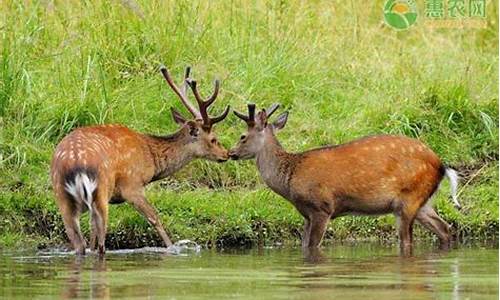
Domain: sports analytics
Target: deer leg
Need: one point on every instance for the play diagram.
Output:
(71, 221)
(404, 236)
(151, 215)
(428, 217)
(141, 205)
(100, 219)
(93, 234)
(306, 233)
(406, 219)
(318, 221)
(72, 225)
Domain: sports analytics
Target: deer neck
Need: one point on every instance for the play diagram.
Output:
(275, 165)
(169, 154)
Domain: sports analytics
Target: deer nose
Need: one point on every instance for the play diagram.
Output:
(233, 155)
(224, 157)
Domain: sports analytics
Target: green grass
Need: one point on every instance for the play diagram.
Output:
(334, 65)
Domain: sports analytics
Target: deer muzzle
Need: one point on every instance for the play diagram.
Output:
(233, 155)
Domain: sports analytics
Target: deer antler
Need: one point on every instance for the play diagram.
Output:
(272, 109)
(250, 119)
(208, 122)
(182, 92)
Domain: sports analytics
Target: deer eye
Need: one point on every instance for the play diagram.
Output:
(243, 137)
(213, 141)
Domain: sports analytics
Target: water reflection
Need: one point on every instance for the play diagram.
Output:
(455, 274)
(415, 275)
(345, 271)
(98, 286)
(314, 256)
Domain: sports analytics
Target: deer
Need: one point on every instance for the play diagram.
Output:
(99, 165)
(372, 175)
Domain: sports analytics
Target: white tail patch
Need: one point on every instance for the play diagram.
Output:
(453, 177)
(82, 189)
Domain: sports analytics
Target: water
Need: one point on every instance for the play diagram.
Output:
(355, 271)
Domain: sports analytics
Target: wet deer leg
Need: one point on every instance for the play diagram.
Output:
(138, 200)
(428, 217)
(306, 233)
(319, 221)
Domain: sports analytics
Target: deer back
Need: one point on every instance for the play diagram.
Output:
(376, 168)
(109, 151)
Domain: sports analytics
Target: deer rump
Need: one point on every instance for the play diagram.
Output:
(80, 184)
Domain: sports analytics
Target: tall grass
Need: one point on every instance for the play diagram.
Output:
(339, 70)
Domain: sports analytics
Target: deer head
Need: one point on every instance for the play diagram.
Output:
(259, 130)
(197, 132)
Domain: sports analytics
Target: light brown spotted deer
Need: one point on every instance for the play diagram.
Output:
(95, 166)
(373, 175)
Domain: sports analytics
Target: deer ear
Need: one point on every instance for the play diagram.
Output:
(281, 121)
(261, 119)
(178, 118)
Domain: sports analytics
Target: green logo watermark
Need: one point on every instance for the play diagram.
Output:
(400, 14)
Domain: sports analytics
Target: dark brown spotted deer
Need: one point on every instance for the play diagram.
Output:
(95, 166)
(373, 175)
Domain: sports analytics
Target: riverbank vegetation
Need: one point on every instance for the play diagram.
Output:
(335, 66)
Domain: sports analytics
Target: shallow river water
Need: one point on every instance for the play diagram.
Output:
(354, 271)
